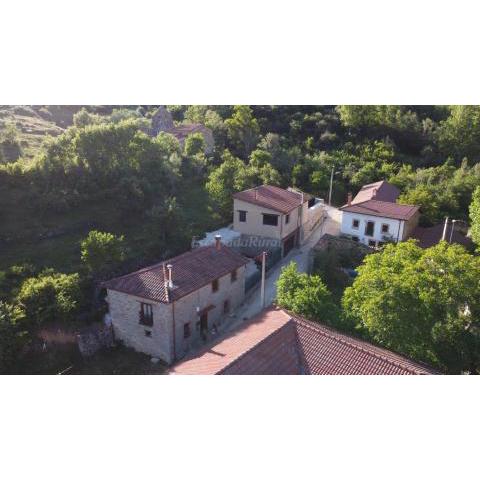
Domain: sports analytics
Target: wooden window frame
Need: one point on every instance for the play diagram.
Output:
(373, 228)
(355, 220)
(186, 330)
(287, 219)
(385, 225)
(215, 285)
(145, 315)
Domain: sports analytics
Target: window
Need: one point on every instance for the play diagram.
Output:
(355, 223)
(226, 306)
(233, 276)
(146, 314)
(269, 219)
(369, 229)
(385, 227)
(186, 330)
(148, 333)
(287, 218)
(371, 243)
(215, 285)
(355, 238)
(242, 216)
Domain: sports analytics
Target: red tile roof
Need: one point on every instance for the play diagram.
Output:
(275, 198)
(191, 271)
(276, 342)
(382, 209)
(430, 236)
(383, 191)
(232, 346)
(183, 130)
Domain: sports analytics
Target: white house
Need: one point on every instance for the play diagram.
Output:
(373, 217)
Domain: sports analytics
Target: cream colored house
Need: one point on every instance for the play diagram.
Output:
(272, 212)
(165, 309)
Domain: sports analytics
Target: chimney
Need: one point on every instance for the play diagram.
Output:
(349, 199)
(218, 242)
(169, 282)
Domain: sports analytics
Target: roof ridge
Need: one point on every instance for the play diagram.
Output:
(329, 332)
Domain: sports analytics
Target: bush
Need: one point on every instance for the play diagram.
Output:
(50, 296)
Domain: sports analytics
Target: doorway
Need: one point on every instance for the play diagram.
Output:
(369, 228)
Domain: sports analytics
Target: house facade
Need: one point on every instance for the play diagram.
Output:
(373, 217)
(275, 213)
(165, 309)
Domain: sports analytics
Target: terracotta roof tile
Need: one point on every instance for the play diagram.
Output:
(276, 342)
(382, 209)
(275, 198)
(191, 271)
(430, 236)
(383, 191)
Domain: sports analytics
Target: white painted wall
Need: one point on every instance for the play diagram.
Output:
(395, 227)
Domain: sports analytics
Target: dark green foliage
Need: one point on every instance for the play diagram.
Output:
(12, 335)
(306, 295)
(423, 303)
(102, 253)
(50, 296)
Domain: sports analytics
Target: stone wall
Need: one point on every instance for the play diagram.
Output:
(124, 311)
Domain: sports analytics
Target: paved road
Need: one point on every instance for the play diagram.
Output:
(300, 256)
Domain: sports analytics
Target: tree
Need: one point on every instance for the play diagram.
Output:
(459, 134)
(50, 296)
(102, 252)
(12, 335)
(306, 295)
(424, 303)
(243, 129)
(223, 182)
(194, 144)
(475, 216)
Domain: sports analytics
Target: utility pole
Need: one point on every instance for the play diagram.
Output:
(444, 235)
(451, 231)
(331, 186)
(262, 288)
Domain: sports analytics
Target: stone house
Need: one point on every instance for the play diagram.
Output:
(373, 217)
(274, 213)
(165, 309)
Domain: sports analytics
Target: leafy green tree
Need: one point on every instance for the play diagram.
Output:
(163, 222)
(50, 296)
(194, 144)
(102, 252)
(475, 216)
(306, 295)
(243, 129)
(459, 134)
(223, 182)
(83, 118)
(424, 303)
(12, 336)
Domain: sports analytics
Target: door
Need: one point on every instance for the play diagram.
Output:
(369, 228)
(204, 322)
